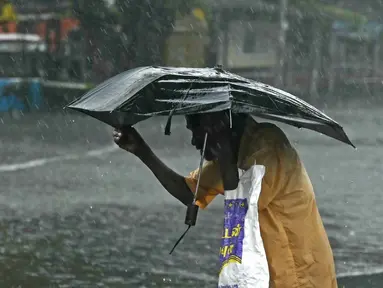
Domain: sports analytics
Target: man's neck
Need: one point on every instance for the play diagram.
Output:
(229, 159)
(228, 169)
(239, 126)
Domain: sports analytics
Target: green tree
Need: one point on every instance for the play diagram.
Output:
(98, 24)
(146, 25)
(133, 32)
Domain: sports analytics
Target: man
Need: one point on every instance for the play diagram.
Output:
(297, 248)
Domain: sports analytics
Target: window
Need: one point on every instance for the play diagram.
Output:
(249, 42)
(11, 65)
(259, 37)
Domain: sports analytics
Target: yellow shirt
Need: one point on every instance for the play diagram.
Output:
(297, 248)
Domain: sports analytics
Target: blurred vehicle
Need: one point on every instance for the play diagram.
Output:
(20, 71)
(25, 84)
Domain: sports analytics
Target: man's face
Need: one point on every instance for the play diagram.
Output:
(216, 125)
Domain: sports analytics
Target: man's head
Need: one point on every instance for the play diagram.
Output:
(216, 125)
(222, 128)
(222, 141)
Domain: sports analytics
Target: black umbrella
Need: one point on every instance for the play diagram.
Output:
(144, 92)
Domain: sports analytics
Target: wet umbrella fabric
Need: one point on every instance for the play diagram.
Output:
(144, 92)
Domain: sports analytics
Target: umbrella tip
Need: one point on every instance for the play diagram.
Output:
(168, 126)
(348, 141)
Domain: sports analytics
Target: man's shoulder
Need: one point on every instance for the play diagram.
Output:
(264, 142)
(267, 129)
(271, 126)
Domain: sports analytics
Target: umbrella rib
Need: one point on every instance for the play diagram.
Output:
(168, 123)
(295, 100)
(275, 104)
(297, 103)
(263, 93)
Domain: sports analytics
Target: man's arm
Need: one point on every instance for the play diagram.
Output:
(182, 188)
(174, 183)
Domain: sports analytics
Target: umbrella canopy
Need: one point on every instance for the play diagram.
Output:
(144, 92)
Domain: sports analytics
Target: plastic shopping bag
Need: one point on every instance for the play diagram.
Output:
(242, 254)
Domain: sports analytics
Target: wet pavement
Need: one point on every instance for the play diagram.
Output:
(78, 212)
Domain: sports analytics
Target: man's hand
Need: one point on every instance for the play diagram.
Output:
(128, 139)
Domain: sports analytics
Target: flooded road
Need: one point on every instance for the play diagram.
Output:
(78, 212)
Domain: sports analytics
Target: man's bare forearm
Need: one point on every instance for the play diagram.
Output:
(173, 182)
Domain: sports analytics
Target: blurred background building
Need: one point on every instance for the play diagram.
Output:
(56, 50)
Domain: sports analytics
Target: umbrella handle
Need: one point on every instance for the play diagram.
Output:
(191, 214)
(192, 208)
(200, 168)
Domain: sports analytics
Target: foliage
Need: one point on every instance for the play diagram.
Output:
(146, 25)
(135, 30)
(322, 10)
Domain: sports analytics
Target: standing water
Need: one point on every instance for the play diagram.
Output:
(78, 212)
